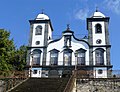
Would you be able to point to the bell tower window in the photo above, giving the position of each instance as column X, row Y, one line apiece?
column 38, row 30
column 98, row 28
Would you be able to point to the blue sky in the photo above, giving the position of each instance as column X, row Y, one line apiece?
column 14, row 16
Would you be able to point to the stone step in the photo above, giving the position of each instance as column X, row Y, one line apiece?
column 42, row 85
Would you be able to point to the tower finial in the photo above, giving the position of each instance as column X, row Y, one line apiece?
column 96, row 8
column 42, row 11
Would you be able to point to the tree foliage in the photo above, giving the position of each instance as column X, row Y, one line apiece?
column 7, row 50
column 20, row 58
column 10, row 57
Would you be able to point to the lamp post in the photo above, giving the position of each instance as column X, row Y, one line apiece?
column 75, row 70
column 31, row 54
column 76, row 60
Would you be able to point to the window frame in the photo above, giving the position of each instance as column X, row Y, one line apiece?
column 67, row 63
column 38, row 30
column 36, row 57
column 98, row 28
column 99, row 56
column 35, row 71
column 100, row 71
column 55, row 60
column 83, row 57
column 37, row 42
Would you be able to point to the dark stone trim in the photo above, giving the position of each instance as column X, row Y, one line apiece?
column 45, row 44
column 46, row 34
column 36, row 47
column 41, row 21
column 90, row 56
column 71, row 66
column 106, row 33
column 90, row 33
column 38, row 50
column 69, row 50
column 54, row 41
column 81, row 40
column 67, row 31
column 54, row 50
column 108, row 56
column 100, row 45
column 31, row 35
column 90, row 41
column 81, row 49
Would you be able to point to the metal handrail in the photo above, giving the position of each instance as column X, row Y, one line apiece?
column 70, row 83
column 11, row 80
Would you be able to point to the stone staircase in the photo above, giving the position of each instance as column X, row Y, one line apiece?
column 42, row 85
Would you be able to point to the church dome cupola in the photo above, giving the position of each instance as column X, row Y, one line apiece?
column 98, row 14
column 42, row 16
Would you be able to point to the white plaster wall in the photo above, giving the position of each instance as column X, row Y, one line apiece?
column 75, row 46
column 39, row 71
column 67, row 34
column 60, row 58
column 38, row 37
column 59, row 46
column 48, row 59
column 103, row 75
column 98, row 35
column 49, row 32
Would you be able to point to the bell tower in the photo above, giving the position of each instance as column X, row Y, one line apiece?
column 98, row 38
column 40, row 33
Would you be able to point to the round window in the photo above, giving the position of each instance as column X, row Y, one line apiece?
column 37, row 42
column 100, row 71
column 98, row 41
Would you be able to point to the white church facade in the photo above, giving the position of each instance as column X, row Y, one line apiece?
column 47, row 57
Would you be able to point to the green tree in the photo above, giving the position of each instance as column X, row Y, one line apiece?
column 10, row 57
column 7, row 50
column 20, row 58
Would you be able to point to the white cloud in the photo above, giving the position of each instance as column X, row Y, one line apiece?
column 81, row 14
column 113, row 5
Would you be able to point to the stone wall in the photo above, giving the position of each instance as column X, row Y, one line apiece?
column 109, row 85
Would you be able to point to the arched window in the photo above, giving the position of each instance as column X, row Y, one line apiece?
column 36, row 57
column 54, row 57
column 99, row 56
column 38, row 30
column 81, row 57
column 98, row 28
column 67, row 57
